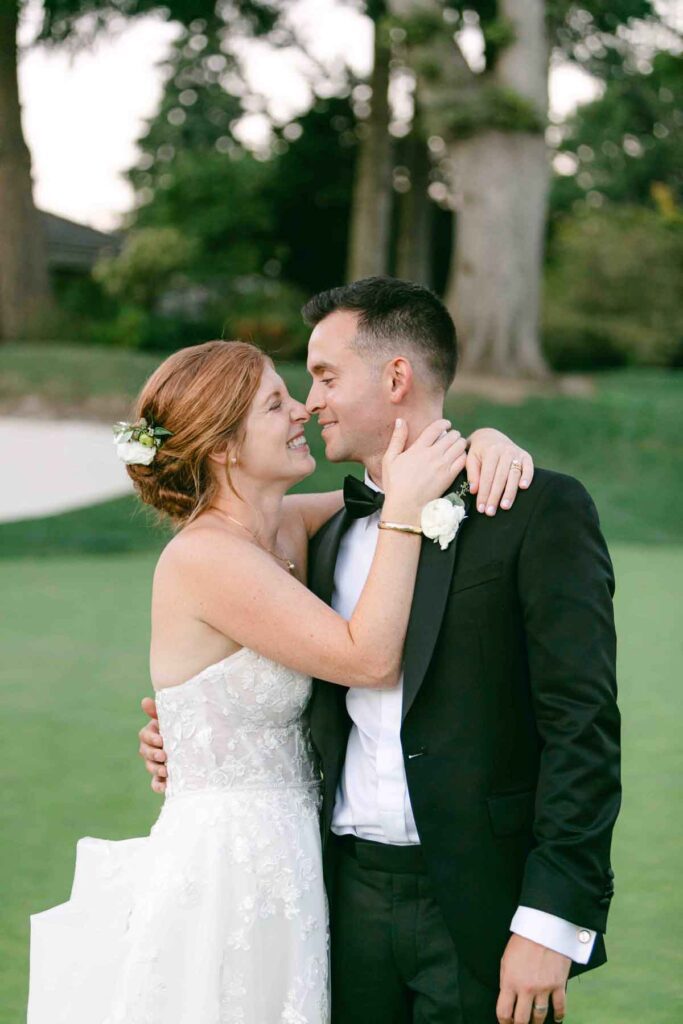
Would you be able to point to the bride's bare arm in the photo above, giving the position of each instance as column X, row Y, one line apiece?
column 315, row 508
column 496, row 468
column 259, row 605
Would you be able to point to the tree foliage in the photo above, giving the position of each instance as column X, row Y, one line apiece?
column 626, row 146
column 310, row 191
column 147, row 261
column 284, row 213
column 613, row 290
column 79, row 21
column 193, row 174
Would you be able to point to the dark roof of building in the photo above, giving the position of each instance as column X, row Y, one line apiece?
column 73, row 246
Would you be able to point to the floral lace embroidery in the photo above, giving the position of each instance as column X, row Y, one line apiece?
column 219, row 915
column 238, row 723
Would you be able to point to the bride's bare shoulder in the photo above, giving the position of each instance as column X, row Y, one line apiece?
column 198, row 548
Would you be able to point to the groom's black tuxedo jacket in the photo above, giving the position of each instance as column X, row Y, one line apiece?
column 510, row 727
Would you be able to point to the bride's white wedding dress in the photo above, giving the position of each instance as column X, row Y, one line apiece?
column 219, row 915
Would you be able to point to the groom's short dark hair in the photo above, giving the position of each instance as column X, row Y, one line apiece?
column 390, row 312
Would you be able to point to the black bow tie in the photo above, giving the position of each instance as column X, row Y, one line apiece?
column 361, row 500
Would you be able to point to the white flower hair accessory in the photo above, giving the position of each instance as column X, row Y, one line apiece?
column 137, row 443
column 440, row 519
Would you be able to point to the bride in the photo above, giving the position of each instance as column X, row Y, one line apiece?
column 219, row 915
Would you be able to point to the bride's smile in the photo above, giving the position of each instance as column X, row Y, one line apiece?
column 274, row 447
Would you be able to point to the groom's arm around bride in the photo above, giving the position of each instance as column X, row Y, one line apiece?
column 565, row 584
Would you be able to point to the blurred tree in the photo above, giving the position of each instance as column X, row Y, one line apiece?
column 283, row 213
column 613, row 293
column 24, row 287
column 368, row 253
column 146, row 264
column 310, row 193
column 626, row 146
column 492, row 121
column 193, row 175
column 415, row 210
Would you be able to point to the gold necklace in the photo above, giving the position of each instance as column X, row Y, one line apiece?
column 285, row 561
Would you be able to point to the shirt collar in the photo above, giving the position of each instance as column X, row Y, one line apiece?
column 370, row 483
column 370, row 522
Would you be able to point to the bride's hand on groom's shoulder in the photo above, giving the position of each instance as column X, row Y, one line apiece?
column 151, row 748
column 496, row 469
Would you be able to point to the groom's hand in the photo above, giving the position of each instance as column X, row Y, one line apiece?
column 152, row 747
column 530, row 975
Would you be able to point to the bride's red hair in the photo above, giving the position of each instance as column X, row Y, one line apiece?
column 202, row 395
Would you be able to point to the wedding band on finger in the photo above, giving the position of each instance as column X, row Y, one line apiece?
column 540, row 1009
column 516, row 464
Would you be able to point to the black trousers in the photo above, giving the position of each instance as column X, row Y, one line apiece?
column 393, row 960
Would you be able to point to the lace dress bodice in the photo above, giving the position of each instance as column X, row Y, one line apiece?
column 237, row 725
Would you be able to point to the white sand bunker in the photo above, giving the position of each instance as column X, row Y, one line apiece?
column 52, row 466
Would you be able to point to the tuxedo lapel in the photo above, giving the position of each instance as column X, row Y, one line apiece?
column 328, row 718
column 324, row 556
column 434, row 575
column 328, row 698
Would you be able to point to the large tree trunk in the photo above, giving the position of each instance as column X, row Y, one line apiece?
column 372, row 191
column 495, row 280
column 501, row 179
column 415, row 210
column 24, row 287
column 500, row 183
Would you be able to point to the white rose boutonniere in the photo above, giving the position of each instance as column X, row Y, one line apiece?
column 441, row 518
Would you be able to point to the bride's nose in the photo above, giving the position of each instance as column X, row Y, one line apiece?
column 299, row 413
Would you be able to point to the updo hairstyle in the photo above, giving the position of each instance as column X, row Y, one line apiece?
column 202, row 395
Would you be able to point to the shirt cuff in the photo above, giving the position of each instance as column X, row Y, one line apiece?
column 555, row 933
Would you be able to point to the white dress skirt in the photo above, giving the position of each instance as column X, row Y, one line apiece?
column 219, row 915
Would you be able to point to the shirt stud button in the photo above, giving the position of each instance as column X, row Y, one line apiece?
column 584, row 935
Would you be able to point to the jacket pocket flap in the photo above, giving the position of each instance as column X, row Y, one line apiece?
column 473, row 577
column 511, row 812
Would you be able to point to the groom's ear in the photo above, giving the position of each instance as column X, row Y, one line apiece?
column 400, row 378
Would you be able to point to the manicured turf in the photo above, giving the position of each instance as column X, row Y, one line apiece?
column 624, row 444
column 74, row 637
column 74, row 631
column 71, row 373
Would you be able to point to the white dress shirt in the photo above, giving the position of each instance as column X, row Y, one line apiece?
column 372, row 799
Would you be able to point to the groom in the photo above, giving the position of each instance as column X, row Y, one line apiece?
column 468, row 813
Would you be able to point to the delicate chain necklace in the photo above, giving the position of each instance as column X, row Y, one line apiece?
column 285, row 561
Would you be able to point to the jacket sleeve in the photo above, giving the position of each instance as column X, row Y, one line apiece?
column 566, row 585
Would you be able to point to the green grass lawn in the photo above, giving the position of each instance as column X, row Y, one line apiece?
column 71, row 373
column 624, row 443
column 74, row 636
column 74, row 630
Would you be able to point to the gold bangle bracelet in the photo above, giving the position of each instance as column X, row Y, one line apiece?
column 399, row 527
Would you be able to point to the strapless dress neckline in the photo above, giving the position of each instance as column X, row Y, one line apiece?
column 208, row 669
